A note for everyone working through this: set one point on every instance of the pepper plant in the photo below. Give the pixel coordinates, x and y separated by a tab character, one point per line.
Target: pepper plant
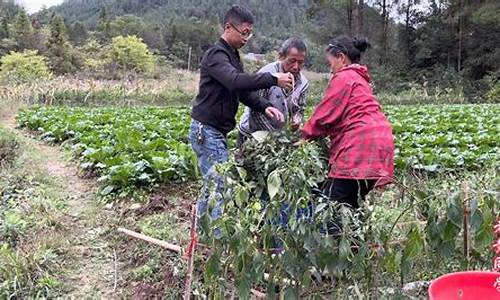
322	244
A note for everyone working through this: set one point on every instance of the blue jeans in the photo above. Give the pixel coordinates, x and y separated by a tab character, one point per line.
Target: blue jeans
210	147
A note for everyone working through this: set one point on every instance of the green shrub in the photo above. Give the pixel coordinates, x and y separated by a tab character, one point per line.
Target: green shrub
493	95
132	54
23	67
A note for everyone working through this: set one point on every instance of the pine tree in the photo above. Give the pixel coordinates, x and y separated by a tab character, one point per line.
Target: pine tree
59	49
78	33
103	29
23	31
4	29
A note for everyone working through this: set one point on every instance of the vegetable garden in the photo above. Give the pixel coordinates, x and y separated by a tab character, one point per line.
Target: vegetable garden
436	218
143	146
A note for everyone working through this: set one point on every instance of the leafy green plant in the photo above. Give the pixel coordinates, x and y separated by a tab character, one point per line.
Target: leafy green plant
145	146
127	147
439	138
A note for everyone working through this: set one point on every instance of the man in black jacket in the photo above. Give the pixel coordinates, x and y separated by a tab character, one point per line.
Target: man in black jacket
223	84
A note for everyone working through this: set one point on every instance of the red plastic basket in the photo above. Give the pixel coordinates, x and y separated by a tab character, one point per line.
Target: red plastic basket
472	285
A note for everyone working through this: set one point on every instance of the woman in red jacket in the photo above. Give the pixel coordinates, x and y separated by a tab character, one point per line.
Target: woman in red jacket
362	145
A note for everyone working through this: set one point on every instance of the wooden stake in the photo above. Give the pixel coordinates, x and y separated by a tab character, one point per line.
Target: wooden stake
151	240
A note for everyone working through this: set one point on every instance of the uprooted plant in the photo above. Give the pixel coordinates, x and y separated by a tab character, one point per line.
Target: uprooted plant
279	230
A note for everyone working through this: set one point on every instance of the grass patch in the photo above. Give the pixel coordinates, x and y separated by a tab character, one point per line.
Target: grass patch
176	88
30	227
9	147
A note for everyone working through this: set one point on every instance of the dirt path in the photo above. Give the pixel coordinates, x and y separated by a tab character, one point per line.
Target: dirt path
89	272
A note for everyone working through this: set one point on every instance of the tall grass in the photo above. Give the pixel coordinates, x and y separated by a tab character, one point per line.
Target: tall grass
414	95
418	94
179	87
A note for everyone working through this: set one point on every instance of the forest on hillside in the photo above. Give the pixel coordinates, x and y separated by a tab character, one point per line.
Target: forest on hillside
450	44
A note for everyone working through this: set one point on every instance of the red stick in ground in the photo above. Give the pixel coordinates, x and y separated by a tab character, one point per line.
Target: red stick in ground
190	254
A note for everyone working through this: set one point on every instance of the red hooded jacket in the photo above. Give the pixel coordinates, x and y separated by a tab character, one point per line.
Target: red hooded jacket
362	143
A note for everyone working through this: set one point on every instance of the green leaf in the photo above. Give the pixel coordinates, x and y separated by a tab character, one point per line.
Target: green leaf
344	248
271	289
483	238
476	220
260	136
455	214
446	248
414	245
241	196
242	172
107	190
212	266
243	288
291	293
450	231
319	208
390	261
273	184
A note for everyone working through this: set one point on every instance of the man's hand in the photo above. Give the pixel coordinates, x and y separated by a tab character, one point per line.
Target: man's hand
285	80
274	113
300	142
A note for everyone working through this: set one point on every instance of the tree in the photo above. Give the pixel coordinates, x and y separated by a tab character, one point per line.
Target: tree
103	30
182	35
131	54
78	33
384	6
412	16
23	31
59	49
322	24
4	29
127	25
358	16
96	58
9	9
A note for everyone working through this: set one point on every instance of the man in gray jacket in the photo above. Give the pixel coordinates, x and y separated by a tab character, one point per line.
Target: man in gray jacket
291	103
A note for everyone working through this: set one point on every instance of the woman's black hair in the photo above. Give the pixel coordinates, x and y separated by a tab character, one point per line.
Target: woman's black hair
352	47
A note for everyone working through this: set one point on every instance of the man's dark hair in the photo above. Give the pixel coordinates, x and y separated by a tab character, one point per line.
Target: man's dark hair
237	15
293	42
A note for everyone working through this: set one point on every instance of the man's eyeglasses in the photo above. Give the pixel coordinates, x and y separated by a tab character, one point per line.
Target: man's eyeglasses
245	33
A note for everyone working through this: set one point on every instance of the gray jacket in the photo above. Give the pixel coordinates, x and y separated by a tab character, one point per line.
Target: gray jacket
291	104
